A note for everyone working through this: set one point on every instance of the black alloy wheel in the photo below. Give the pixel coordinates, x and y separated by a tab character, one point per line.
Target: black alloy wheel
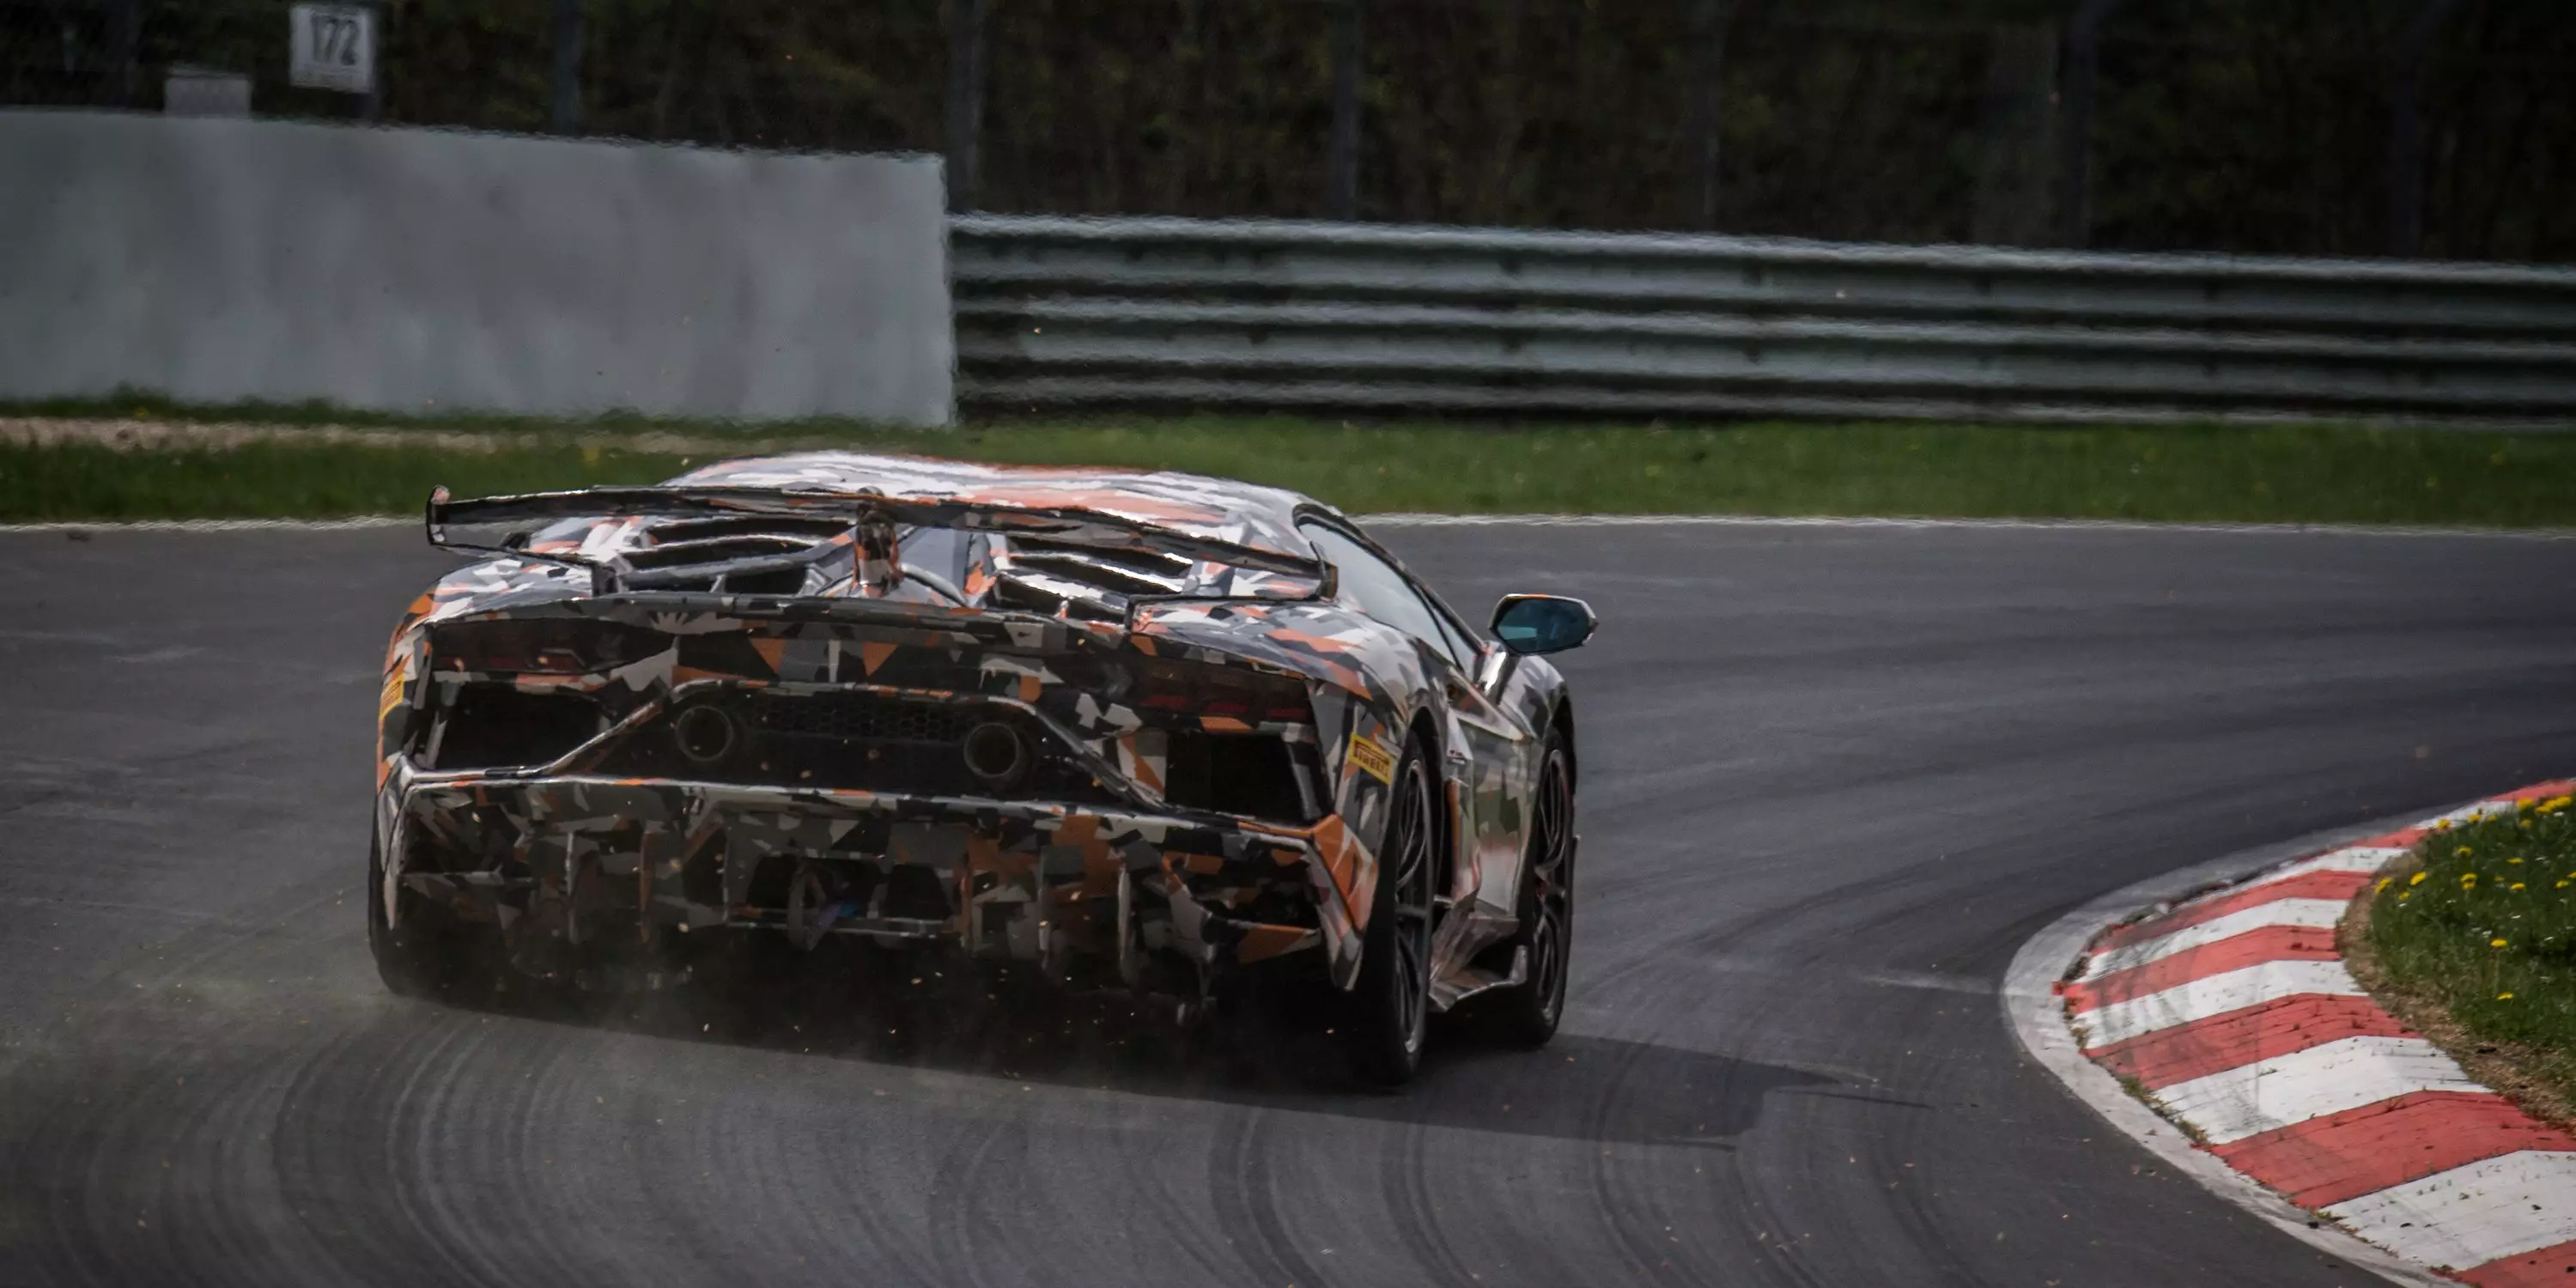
1390	1006
1527	1015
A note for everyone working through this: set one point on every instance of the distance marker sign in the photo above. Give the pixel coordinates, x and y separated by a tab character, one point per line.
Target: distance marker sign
332	46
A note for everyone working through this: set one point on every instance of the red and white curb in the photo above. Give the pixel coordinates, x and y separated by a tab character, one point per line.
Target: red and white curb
2304	1101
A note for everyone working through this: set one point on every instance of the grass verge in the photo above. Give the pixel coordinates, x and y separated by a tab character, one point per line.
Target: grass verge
2474	944
2209	473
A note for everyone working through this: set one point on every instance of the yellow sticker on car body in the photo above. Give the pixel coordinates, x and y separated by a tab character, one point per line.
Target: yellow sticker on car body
1372	757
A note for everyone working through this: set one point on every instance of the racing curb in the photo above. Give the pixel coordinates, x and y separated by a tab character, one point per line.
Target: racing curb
2277	1082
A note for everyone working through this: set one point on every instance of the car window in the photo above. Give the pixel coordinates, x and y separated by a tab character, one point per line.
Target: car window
1463	643
1384	593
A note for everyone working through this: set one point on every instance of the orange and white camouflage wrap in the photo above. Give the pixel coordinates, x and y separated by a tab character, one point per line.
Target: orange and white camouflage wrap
1123	725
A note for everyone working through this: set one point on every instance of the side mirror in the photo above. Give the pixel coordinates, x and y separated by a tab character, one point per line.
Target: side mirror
1542	623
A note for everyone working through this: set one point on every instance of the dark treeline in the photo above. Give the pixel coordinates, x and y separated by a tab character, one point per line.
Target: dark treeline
2239	125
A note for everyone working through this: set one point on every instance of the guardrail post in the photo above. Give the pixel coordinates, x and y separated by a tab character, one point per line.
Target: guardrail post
1342	177
2406	129
2075	121
567	76
965	99
1707	63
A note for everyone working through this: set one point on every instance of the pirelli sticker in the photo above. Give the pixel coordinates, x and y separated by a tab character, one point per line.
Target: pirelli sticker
1372	757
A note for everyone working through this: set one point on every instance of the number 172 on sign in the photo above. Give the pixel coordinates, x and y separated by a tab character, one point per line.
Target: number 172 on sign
332	46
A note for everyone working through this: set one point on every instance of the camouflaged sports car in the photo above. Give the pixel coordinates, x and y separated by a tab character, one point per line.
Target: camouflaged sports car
1146	731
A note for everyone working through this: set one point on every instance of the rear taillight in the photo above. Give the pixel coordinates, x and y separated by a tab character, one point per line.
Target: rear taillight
1227	692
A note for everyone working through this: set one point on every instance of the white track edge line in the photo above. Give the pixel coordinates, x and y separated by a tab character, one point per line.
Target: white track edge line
2035	1014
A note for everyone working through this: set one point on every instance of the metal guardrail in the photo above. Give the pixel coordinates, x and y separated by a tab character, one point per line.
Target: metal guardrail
1058	312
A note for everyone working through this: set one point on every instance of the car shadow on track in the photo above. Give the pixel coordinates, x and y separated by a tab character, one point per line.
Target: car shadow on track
1271	1054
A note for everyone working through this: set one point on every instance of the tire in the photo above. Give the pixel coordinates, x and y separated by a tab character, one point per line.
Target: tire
1386	1017
430	955
1526	1015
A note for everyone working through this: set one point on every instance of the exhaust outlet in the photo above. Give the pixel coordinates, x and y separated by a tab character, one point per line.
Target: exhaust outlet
705	733
995	754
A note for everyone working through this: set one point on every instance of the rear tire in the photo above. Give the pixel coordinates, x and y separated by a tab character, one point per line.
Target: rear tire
1527	1015
1386	1017
430	954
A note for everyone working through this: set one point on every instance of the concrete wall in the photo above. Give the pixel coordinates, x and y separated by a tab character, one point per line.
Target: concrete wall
412	270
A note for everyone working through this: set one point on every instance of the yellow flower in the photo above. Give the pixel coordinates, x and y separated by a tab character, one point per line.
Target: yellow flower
2462	852
2504	997
2515	886
2418	878
2513	860
2403	896
2497	942
2468	880
2384	883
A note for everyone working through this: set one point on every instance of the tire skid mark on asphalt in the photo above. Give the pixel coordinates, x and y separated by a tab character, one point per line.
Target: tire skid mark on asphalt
1160	1188
416	1103
232	1110
1614	1209
1406	1187
959	1188
1241	1174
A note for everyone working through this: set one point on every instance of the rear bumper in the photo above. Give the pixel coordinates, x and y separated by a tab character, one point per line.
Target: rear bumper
1083	891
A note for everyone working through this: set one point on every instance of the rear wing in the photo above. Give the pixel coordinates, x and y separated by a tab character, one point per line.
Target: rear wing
871	518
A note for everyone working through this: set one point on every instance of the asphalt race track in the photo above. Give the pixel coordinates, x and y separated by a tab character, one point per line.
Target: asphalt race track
1832	779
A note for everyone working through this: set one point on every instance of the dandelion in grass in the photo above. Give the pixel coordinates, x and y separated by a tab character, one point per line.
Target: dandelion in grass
2463	852
2497	942
2418	878
2515	886
2504	997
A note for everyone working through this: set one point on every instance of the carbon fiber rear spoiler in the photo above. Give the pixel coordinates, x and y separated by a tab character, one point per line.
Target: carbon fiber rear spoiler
1080	526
